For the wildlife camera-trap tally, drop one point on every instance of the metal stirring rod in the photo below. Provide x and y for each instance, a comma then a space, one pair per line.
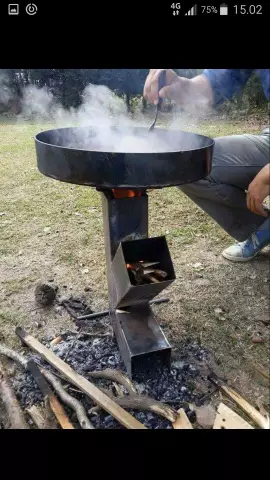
161, 84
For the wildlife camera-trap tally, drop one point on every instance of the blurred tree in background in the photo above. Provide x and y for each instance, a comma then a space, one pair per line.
68, 85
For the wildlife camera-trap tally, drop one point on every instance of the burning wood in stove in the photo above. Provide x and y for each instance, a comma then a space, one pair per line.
145, 272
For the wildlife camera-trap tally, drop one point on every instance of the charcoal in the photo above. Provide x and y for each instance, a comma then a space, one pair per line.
86, 354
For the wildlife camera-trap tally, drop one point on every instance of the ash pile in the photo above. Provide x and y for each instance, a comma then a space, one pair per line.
87, 353
152, 398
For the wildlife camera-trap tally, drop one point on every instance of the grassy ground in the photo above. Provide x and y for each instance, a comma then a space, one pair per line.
50, 230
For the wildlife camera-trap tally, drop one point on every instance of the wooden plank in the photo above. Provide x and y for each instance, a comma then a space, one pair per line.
256, 416
182, 422
80, 382
229, 420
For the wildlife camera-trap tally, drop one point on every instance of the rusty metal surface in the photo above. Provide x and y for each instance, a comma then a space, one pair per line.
140, 339
150, 249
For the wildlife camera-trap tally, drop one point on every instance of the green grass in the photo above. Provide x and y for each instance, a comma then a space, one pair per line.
54, 230
33, 202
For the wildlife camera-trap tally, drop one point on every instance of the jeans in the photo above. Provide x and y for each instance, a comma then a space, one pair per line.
236, 161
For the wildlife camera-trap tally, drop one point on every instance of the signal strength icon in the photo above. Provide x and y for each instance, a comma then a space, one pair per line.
192, 11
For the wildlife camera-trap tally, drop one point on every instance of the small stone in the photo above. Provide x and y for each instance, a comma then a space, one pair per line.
47, 229
205, 416
2, 214
38, 324
257, 339
87, 289
64, 286
198, 266
218, 311
51, 280
20, 252
85, 270
252, 277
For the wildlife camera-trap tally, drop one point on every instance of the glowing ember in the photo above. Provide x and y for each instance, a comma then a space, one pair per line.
123, 193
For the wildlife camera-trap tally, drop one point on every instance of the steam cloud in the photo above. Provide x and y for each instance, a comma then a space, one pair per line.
108, 125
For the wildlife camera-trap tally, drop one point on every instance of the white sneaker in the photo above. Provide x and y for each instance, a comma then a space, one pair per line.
243, 251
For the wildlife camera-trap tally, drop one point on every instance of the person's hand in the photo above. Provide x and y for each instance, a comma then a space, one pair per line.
258, 190
189, 93
173, 89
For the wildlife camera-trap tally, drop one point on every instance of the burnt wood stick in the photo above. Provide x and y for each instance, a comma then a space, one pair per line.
10, 402
151, 278
80, 382
55, 405
69, 310
92, 316
160, 273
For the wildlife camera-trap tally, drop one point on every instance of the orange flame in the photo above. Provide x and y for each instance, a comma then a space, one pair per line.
123, 193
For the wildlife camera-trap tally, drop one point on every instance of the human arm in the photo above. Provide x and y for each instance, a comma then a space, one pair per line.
203, 91
258, 190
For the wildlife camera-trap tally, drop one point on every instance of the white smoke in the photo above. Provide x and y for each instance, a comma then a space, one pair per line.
108, 126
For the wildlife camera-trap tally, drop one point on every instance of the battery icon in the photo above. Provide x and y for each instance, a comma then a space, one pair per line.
223, 9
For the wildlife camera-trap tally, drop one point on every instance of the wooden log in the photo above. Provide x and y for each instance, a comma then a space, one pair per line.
10, 402
80, 382
182, 422
229, 420
251, 411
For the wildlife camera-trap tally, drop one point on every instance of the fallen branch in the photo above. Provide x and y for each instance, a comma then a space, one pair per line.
17, 357
80, 382
115, 376
10, 402
256, 416
141, 402
69, 400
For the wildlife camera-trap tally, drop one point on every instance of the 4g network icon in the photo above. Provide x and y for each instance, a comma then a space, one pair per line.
176, 8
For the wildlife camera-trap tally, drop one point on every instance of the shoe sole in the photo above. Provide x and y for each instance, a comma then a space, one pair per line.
239, 259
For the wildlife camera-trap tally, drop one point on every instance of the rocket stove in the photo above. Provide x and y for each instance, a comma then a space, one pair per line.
123, 178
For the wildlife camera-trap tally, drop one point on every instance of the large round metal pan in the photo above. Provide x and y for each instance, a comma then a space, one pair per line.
161, 158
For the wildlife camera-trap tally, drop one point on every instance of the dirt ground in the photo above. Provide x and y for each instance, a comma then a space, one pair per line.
53, 231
